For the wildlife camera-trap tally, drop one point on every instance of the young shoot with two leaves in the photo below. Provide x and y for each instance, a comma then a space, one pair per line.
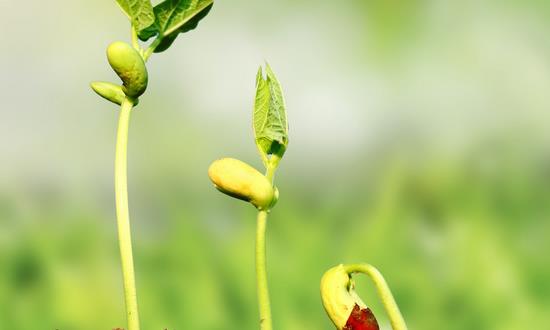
163, 22
240, 180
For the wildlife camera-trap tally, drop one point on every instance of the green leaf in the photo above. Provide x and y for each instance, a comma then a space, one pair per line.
149, 32
173, 17
140, 13
270, 122
180, 16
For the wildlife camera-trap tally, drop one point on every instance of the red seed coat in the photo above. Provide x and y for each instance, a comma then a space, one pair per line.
361, 319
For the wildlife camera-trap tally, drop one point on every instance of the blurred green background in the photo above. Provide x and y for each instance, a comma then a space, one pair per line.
419, 143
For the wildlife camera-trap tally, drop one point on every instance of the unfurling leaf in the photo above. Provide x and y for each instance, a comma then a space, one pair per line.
140, 13
270, 122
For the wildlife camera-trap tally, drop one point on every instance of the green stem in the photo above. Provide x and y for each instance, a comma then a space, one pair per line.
149, 51
264, 305
396, 319
272, 165
135, 42
261, 273
123, 217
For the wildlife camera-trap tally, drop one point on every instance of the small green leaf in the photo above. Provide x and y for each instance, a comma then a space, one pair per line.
270, 122
140, 13
173, 17
180, 16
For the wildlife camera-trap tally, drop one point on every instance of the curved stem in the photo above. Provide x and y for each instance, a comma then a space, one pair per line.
264, 305
123, 217
396, 319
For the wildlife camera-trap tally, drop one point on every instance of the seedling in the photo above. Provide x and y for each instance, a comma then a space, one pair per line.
344, 307
240, 180
162, 24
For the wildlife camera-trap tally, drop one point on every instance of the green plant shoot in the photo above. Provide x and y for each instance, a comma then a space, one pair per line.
163, 22
238, 179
